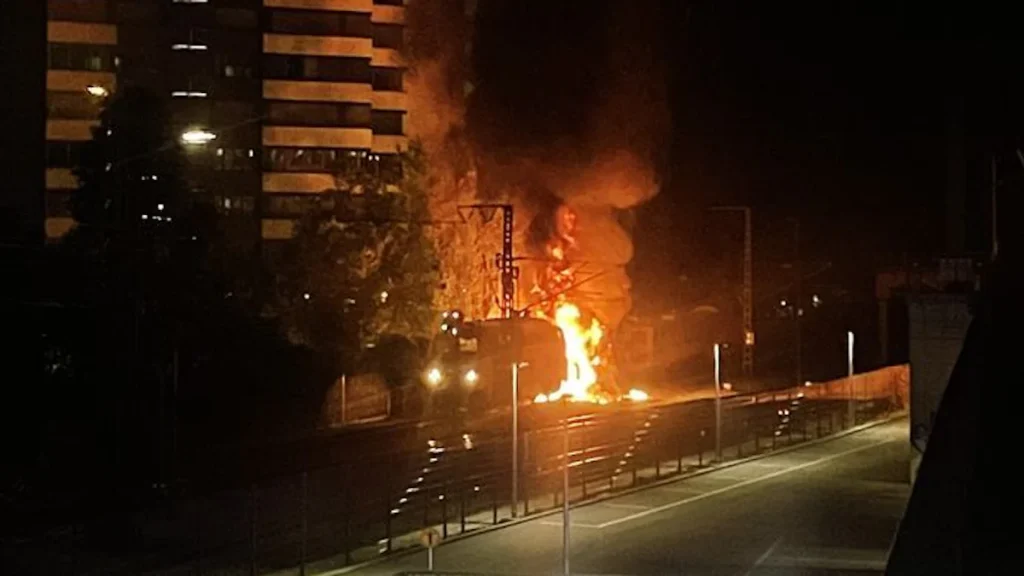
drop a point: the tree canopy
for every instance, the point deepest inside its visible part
(361, 266)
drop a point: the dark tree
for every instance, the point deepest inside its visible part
(361, 267)
(181, 360)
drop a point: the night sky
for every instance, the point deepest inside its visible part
(835, 113)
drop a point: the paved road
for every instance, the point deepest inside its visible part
(828, 509)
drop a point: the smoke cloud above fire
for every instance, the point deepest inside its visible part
(561, 106)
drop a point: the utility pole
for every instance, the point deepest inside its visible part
(748, 295)
(995, 206)
(565, 489)
(505, 260)
(515, 438)
(797, 306)
(748, 286)
(718, 402)
(509, 274)
(850, 406)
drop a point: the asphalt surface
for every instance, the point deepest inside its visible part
(830, 509)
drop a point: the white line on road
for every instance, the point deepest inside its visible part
(624, 506)
(571, 523)
(742, 484)
(680, 490)
(767, 554)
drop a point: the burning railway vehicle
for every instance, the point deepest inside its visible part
(470, 361)
(562, 350)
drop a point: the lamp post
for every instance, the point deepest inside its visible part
(798, 306)
(515, 439)
(718, 402)
(565, 488)
(851, 407)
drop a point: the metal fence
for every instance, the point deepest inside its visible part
(461, 480)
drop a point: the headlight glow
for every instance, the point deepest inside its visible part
(471, 377)
(434, 376)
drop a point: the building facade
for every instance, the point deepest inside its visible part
(274, 99)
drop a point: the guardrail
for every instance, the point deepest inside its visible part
(462, 481)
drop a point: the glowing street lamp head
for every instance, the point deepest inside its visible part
(434, 376)
(97, 91)
(471, 377)
(198, 136)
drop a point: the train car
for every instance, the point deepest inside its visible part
(469, 365)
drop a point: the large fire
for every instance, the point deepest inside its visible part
(583, 339)
(581, 356)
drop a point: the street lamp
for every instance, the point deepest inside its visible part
(197, 137)
(797, 307)
(97, 91)
(565, 488)
(850, 408)
(515, 439)
(718, 402)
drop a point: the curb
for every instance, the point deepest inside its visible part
(616, 494)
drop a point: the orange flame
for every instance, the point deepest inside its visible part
(580, 353)
(582, 339)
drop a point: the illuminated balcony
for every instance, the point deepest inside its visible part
(79, 81)
(318, 45)
(388, 15)
(81, 33)
(297, 182)
(335, 5)
(277, 229)
(312, 137)
(383, 144)
(386, 100)
(58, 227)
(70, 130)
(387, 58)
(60, 179)
(317, 91)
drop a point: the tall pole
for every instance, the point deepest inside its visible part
(565, 489)
(850, 408)
(748, 285)
(748, 295)
(174, 409)
(344, 400)
(995, 207)
(508, 289)
(515, 439)
(797, 307)
(505, 261)
(718, 402)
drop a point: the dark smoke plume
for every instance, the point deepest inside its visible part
(567, 108)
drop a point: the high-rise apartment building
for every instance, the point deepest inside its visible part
(275, 99)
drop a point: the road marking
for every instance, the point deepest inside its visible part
(830, 564)
(742, 484)
(625, 506)
(767, 553)
(571, 523)
(723, 474)
(681, 490)
(761, 464)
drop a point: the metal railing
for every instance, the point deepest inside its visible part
(458, 482)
